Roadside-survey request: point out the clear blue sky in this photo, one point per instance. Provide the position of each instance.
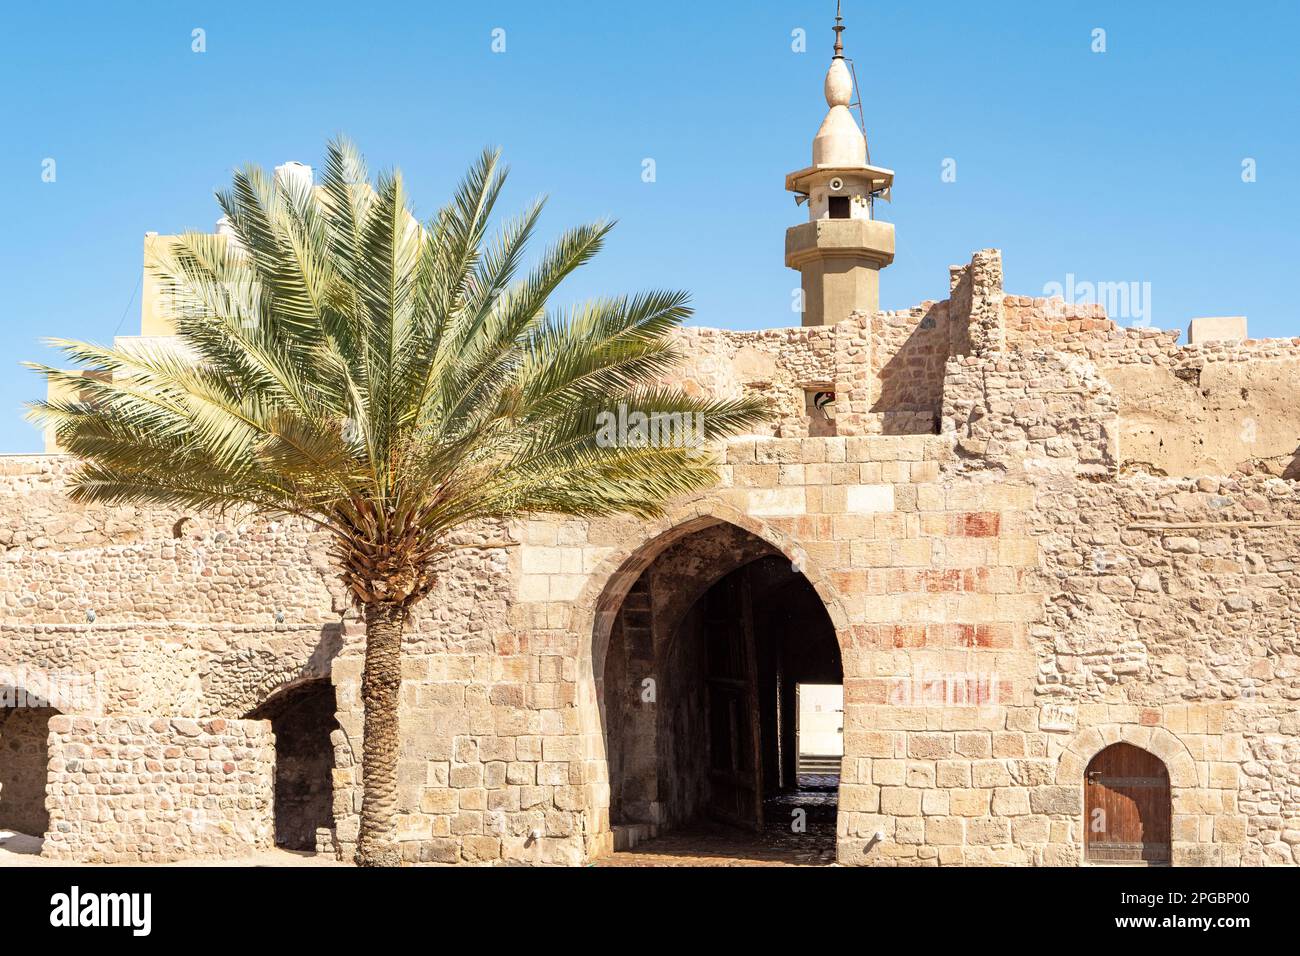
(1120, 166)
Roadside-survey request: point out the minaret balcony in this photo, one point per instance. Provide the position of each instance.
(868, 239)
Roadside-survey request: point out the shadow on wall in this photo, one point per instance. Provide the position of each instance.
(911, 379)
(1283, 466)
(24, 764)
(1292, 471)
(249, 676)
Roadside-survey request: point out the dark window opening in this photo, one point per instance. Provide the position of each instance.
(839, 206)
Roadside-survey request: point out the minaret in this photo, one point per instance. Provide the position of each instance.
(841, 249)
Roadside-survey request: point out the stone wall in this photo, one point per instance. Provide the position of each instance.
(945, 587)
(886, 368)
(890, 366)
(1174, 605)
(977, 305)
(779, 364)
(1007, 598)
(150, 789)
(162, 612)
(909, 351)
(1213, 408)
(1035, 411)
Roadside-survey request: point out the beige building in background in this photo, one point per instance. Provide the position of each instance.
(1050, 561)
(821, 723)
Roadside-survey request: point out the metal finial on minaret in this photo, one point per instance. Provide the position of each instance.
(839, 29)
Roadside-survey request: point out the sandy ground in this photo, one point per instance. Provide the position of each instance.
(777, 844)
(19, 849)
(702, 844)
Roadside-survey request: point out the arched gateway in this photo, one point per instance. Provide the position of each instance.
(702, 641)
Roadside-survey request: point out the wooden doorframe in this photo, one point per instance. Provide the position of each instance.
(742, 689)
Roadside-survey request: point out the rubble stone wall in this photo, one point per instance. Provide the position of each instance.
(153, 789)
(1031, 412)
(1185, 410)
(1174, 604)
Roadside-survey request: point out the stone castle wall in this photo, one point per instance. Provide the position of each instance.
(1008, 595)
(1031, 412)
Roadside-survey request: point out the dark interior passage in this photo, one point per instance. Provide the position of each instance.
(724, 628)
(24, 761)
(302, 719)
(796, 645)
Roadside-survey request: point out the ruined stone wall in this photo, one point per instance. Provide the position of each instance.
(1216, 409)
(1035, 411)
(942, 583)
(1006, 601)
(1043, 323)
(200, 617)
(778, 364)
(909, 349)
(162, 612)
(885, 368)
(146, 789)
(1213, 408)
(978, 305)
(890, 366)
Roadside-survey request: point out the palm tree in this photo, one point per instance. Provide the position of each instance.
(388, 382)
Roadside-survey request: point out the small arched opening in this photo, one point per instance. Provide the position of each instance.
(715, 646)
(24, 762)
(1127, 807)
(302, 719)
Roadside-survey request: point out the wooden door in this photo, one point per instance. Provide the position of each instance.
(731, 682)
(1126, 807)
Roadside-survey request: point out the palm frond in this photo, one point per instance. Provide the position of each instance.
(388, 380)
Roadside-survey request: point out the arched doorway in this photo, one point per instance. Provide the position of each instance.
(701, 684)
(24, 763)
(1127, 807)
(302, 719)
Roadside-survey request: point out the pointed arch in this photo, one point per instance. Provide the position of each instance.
(594, 612)
(1159, 741)
(608, 585)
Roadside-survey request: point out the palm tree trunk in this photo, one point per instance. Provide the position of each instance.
(381, 684)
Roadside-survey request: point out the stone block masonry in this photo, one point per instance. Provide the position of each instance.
(154, 790)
